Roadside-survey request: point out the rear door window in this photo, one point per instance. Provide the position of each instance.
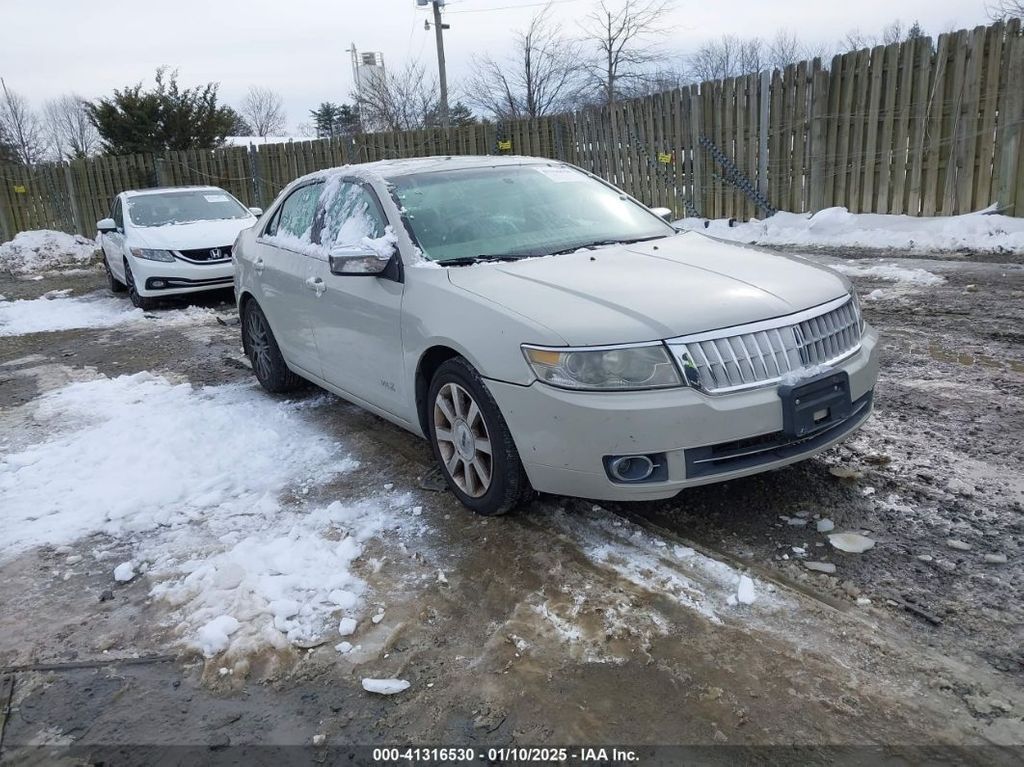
(292, 224)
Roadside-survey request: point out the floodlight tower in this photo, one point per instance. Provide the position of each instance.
(439, 29)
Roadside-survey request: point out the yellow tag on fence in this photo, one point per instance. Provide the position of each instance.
(19, 189)
(664, 159)
(505, 146)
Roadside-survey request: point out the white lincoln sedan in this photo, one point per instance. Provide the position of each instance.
(170, 241)
(545, 331)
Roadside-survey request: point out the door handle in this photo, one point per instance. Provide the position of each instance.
(316, 285)
(258, 266)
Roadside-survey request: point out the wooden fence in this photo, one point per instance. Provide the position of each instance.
(919, 128)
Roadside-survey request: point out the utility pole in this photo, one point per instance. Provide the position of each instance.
(439, 29)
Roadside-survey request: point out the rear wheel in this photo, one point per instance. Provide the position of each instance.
(472, 442)
(265, 355)
(115, 285)
(142, 302)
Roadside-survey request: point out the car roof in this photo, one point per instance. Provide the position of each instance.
(165, 189)
(394, 168)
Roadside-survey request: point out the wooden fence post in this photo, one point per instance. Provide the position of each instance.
(6, 226)
(762, 135)
(76, 215)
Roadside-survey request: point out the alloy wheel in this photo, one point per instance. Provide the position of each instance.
(462, 440)
(259, 344)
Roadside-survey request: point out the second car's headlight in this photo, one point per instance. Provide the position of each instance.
(153, 255)
(605, 368)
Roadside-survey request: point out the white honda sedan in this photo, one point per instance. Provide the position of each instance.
(170, 241)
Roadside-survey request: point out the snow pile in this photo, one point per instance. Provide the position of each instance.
(43, 315)
(890, 273)
(284, 574)
(43, 250)
(981, 232)
(134, 453)
(194, 479)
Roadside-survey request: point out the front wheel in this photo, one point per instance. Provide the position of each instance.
(115, 285)
(472, 442)
(139, 301)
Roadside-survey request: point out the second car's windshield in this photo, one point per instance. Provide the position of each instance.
(183, 207)
(522, 210)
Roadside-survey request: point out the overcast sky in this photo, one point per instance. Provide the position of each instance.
(298, 47)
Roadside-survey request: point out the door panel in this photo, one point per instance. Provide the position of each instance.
(281, 273)
(358, 318)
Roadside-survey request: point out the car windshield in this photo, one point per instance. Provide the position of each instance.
(184, 207)
(518, 210)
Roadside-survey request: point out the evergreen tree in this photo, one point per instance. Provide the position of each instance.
(459, 116)
(332, 120)
(166, 117)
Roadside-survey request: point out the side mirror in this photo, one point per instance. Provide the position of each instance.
(665, 213)
(106, 225)
(358, 261)
(256, 211)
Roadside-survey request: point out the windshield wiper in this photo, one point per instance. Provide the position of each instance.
(482, 258)
(601, 243)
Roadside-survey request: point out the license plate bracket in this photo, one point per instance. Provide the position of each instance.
(815, 403)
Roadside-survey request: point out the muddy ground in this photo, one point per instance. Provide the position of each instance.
(572, 622)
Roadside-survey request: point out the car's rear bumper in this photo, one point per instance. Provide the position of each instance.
(161, 278)
(564, 437)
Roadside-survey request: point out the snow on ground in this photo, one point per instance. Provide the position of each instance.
(979, 232)
(39, 251)
(192, 480)
(708, 586)
(56, 311)
(889, 273)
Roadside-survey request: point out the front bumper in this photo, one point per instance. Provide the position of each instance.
(563, 436)
(161, 278)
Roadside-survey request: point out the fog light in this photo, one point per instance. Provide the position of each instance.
(158, 284)
(631, 468)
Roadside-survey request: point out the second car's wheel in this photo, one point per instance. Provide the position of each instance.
(472, 442)
(264, 353)
(139, 301)
(115, 285)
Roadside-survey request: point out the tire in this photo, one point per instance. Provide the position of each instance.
(461, 411)
(138, 301)
(265, 355)
(115, 285)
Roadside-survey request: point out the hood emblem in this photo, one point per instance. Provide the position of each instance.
(215, 253)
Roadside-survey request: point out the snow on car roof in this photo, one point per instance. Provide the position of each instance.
(166, 189)
(382, 170)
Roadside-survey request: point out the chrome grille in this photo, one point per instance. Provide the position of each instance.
(764, 352)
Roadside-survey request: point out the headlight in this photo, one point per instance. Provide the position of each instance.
(153, 255)
(625, 367)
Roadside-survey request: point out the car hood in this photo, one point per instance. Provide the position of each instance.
(199, 234)
(685, 284)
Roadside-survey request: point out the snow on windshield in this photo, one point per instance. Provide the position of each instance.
(184, 207)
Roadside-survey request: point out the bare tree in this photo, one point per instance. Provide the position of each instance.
(784, 49)
(263, 109)
(893, 32)
(70, 131)
(729, 56)
(397, 101)
(1004, 9)
(23, 128)
(543, 76)
(624, 37)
